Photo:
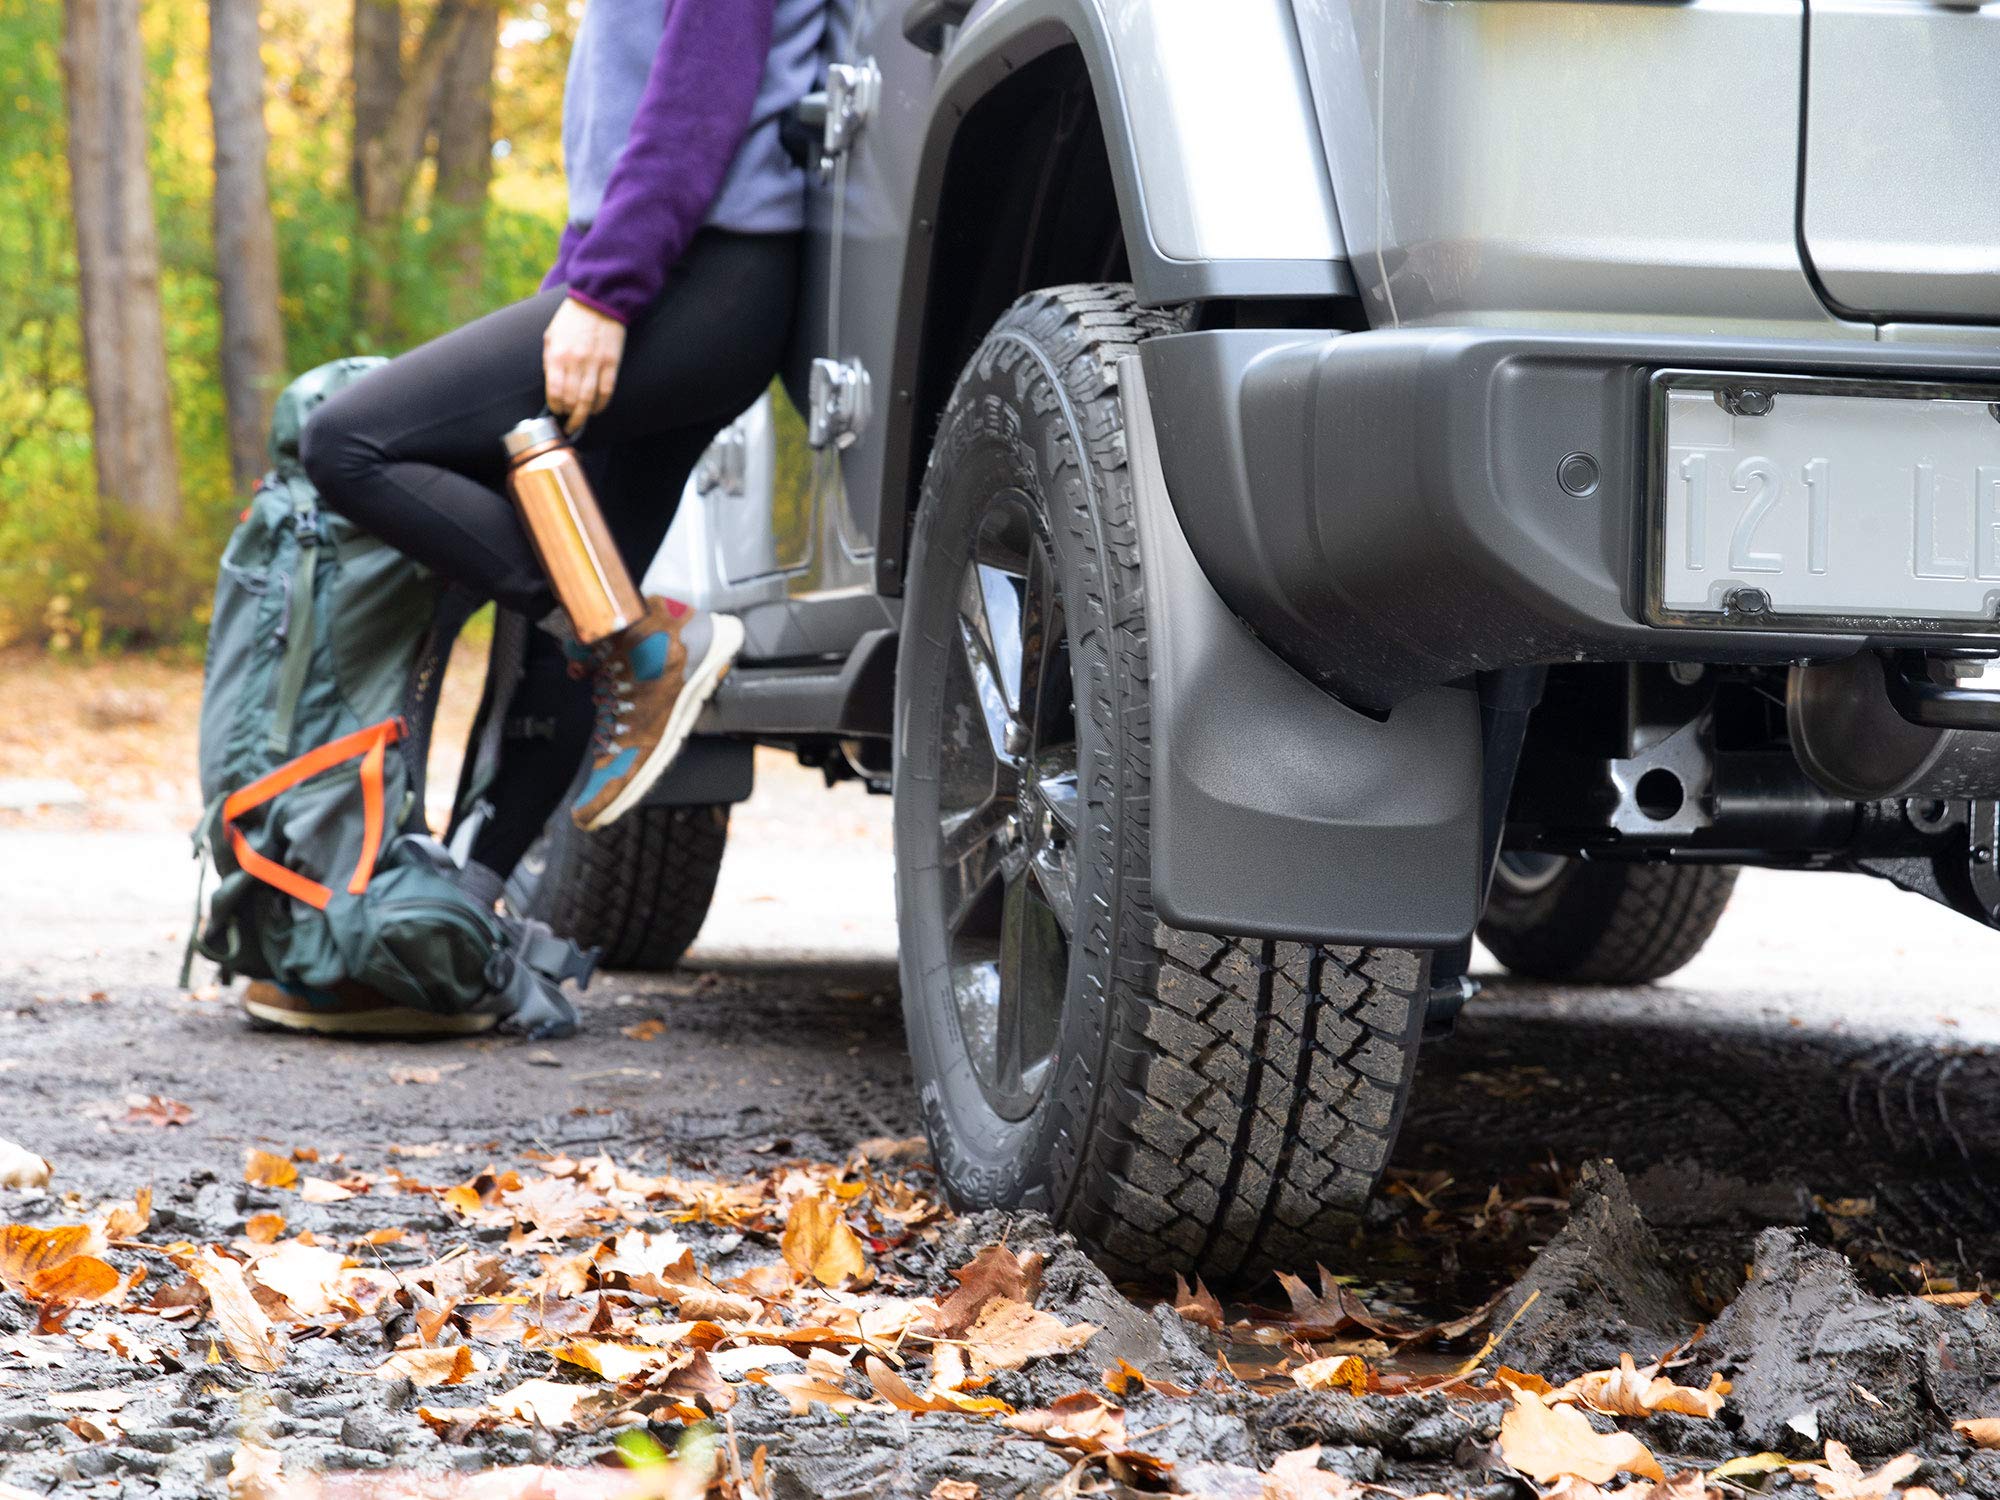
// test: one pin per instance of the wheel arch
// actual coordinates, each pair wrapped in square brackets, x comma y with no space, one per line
[1044,162]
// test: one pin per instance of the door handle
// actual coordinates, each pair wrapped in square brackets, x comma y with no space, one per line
[926,22]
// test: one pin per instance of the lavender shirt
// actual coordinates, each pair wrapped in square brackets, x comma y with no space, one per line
[670,122]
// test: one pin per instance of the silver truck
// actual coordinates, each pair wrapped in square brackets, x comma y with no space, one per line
[1293,482]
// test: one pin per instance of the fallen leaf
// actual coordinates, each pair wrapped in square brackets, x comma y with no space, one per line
[91,1400]
[954,1489]
[803,1392]
[620,1363]
[264,1229]
[893,1389]
[38,1353]
[424,1368]
[82,1278]
[1333,1310]
[994,1272]
[319,1190]
[127,1221]
[1199,1306]
[1841,1478]
[256,1474]
[1298,1476]
[1981,1432]
[253,1341]
[307,1277]
[1008,1334]
[108,1338]
[1631,1392]
[156,1109]
[265,1169]
[647,1030]
[1749,1463]
[26,1252]
[1550,1442]
[1084,1421]
[549,1404]
[1507,1376]
[1127,1379]
[1344,1372]
[21,1168]
[818,1245]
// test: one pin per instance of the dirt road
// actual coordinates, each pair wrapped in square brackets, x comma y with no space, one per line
[1825,1064]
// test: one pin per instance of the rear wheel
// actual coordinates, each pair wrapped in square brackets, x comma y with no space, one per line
[1178,1100]
[1601,921]
[638,890]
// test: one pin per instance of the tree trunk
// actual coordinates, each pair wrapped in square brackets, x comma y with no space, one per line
[118,260]
[246,240]
[463,124]
[389,139]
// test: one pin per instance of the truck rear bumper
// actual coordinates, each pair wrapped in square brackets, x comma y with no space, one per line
[1384,508]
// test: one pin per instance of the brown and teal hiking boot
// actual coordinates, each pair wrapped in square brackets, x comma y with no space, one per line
[350,1009]
[651,681]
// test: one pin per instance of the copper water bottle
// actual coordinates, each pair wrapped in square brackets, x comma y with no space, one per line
[568,530]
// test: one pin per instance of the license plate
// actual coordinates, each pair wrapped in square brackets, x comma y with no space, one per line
[1799,502]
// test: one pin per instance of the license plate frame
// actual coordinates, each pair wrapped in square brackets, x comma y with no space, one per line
[1889,623]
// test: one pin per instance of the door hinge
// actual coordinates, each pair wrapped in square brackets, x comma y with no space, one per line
[840,402]
[853,93]
[725,464]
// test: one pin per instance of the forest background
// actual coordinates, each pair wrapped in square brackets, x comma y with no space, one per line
[199,198]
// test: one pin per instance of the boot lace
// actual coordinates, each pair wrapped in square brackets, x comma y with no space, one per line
[611,705]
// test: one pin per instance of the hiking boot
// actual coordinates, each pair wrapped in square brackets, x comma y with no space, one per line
[651,681]
[350,1009]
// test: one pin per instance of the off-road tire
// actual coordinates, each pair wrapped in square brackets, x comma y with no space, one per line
[1605,921]
[638,890]
[1216,1105]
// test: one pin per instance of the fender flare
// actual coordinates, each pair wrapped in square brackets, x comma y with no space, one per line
[1218,199]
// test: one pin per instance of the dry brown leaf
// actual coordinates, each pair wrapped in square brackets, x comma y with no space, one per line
[1631,1392]
[994,1272]
[1127,1379]
[954,1489]
[818,1245]
[549,1404]
[126,1221]
[26,1252]
[156,1109]
[91,1400]
[1548,1443]
[1199,1306]
[82,1278]
[1521,1380]
[21,1168]
[1981,1432]
[424,1368]
[648,1030]
[1841,1478]
[264,1229]
[307,1277]
[256,1474]
[1008,1334]
[895,1390]
[109,1338]
[37,1353]
[1340,1372]
[1333,1310]
[253,1341]
[620,1363]
[265,1169]
[1082,1420]
[1298,1476]
[806,1391]
[319,1190]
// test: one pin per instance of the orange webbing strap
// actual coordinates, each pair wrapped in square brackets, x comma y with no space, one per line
[371,745]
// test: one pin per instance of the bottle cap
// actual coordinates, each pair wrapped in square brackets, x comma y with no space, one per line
[536,432]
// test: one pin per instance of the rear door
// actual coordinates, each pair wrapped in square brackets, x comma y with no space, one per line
[1902,173]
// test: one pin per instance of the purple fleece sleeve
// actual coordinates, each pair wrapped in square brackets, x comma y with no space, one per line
[690,124]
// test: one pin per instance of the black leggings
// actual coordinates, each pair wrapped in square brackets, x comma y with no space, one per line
[412,454]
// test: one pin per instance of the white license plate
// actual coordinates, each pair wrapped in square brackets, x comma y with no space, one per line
[1799,502]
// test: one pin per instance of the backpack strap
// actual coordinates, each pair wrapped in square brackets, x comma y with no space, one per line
[298,621]
[371,747]
[482,767]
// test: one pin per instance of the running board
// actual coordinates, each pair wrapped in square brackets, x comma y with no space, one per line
[851,699]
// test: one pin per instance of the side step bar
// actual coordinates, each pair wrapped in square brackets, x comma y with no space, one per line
[850,699]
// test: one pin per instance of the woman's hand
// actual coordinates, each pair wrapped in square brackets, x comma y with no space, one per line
[580,354]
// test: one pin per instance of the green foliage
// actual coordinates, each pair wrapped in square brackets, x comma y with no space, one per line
[70,576]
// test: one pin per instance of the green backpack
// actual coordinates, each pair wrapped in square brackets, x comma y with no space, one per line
[325,655]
